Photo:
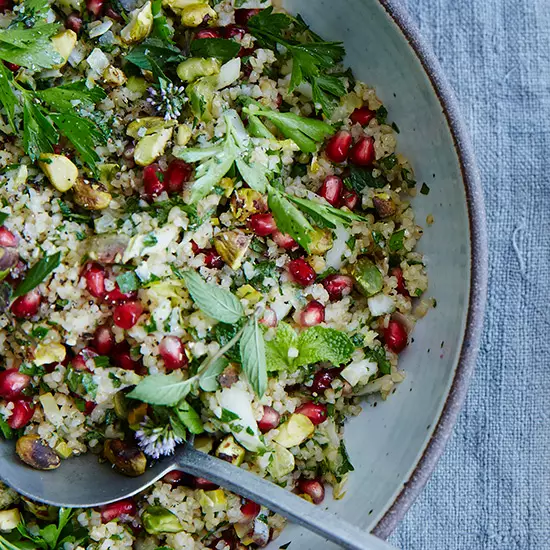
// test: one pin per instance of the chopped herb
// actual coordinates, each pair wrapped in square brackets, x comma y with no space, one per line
[71,216]
[101,361]
[39,332]
[395,127]
[116,382]
[378,355]
[150,240]
[360,178]
[5,429]
[424,190]
[351,243]
[395,244]
[37,274]
[151,326]
[382,115]
[228,416]
[129,281]
[389,162]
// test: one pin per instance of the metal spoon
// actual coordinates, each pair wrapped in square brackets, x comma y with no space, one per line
[83,482]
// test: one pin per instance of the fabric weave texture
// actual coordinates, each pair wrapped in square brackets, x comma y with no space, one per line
[491,489]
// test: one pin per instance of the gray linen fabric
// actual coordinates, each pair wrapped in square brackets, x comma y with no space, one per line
[491,489]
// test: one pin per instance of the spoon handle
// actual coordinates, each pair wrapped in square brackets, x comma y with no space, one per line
[279,500]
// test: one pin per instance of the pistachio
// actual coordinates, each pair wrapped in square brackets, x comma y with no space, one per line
[125,457]
[178,5]
[150,148]
[61,172]
[321,241]
[230,451]
[295,431]
[140,25]
[195,67]
[137,414]
[212,501]
[157,520]
[121,404]
[137,85]
[63,43]
[232,246]
[36,453]
[148,125]
[249,293]
[245,202]
[54,352]
[384,205]
[368,277]
[107,248]
[8,259]
[114,75]
[63,450]
[183,135]
[41,511]
[203,443]
[9,519]
[198,14]
[107,173]
[91,195]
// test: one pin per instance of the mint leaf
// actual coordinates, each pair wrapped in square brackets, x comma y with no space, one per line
[253,357]
[215,47]
[189,417]
[38,273]
[162,389]
[8,99]
[277,349]
[209,378]
[318,344]
[153,48]
[217,302]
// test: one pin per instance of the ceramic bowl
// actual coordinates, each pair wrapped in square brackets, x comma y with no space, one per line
[395,445]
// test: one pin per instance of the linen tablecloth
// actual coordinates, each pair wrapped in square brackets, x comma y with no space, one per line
[491,489]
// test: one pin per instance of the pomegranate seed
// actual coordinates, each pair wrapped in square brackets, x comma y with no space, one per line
[95,6]
[338,286]
[397,272]
[5,5]
[323,379]
[172,351]
[114,15]
[126,315]
[284,240]
[362,116]
[395,336]
[122,358]
[270,419]
[27,305]
[152,186]
[313,314]
[313,488]
[89,407]
[177,173]
[7,238]
[177,478]
[12,383]
[95,280]
[79,362]
[269,318]
[262,224]
[332,189]
[17,273]
[115,296]
[20,415]
[242,16]
[249,510]
[316,412]
[338,146]
[126,507]
[246,52]
[350,199]
[362,153]
[212,259]
[74,22]
[11,66]
[233,31]
[203,483]
[103,340]
[208,33]
[301,272]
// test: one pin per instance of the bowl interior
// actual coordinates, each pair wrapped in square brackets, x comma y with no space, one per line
[387,440]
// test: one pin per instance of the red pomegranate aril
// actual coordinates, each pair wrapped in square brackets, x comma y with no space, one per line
[362,116]
[7,238]
[316,412]
[12,383]
[126,315]
[11,66]
[337,286]
[79,362]
[126,507]
[177,478]
[114,15]
[262,224]
[246,52]
[5,5]
[172,351]
[74,22]
[115,296]
[233,31]
[397,272]
[350,199]
[95,280]
[270,419]
[122,357]
[313,314]
[269,318]
[212,259]
[284,240]
[323,380]
[152,186]
[89,407]
[302,273]
[395,336]
[338,146]
[103,340]
[21,414]
[208,33]
[177,174]
[249,510]
[205,484]
[362,153]
[27,305]
[95,6]
[332,190]
[242,16]
[313,488]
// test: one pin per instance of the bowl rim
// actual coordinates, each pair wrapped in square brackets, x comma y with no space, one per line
[413,486]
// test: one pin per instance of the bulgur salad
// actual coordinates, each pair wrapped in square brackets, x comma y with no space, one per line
[205,229]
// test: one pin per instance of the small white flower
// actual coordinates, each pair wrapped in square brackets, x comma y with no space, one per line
[157,441]
[168,100]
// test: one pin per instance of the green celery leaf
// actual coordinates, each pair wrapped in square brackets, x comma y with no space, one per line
[37,274]
[215,47]
[7,97]
[162,389]
[253,357]
[39,134]
[318,344]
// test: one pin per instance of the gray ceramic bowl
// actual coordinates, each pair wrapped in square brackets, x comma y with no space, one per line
[395,446]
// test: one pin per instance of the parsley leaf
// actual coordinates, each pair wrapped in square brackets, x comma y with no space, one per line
[72,96]
[37,273]
[7,96]
[360,178]
[39,134]
[215,47]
